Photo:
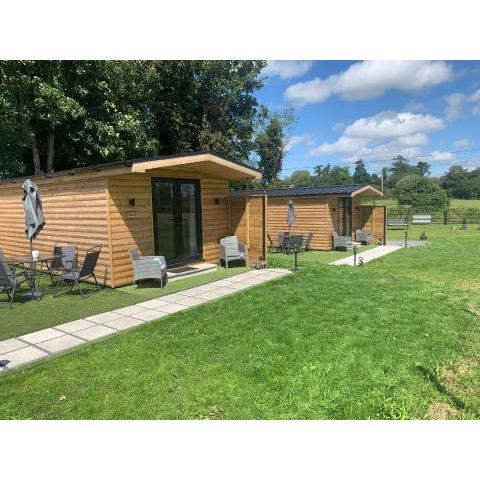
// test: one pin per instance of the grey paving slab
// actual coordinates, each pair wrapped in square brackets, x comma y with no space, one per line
[205,288]
[21,356]
[150,314]
[152,303]
[103,317]
[221,283]
[61,343]
[190,301]
[209,295]
[172,298]
[98,331]
[130,310]
[41,335]
[172,307]
[125,322]
[11,344]
[75,326]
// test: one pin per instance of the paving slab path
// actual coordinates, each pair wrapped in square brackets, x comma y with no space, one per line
[368,255]
[43,343]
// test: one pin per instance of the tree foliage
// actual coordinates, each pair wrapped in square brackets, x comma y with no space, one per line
[62,114]
[461,183]
[419,191]
[271,142]
[360,174]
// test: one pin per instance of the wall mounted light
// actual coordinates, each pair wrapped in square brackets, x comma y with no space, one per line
[217,201]
[132,202]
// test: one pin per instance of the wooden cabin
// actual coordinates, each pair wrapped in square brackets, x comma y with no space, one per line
[322,210]
[177,206]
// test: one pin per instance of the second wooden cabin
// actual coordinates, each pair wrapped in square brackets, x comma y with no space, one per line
[321,210]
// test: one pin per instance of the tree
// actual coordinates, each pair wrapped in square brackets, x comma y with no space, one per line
[423,168]
[271,143]
[360,175]
[299,178]
[461,183]
[420,191]
[336,175]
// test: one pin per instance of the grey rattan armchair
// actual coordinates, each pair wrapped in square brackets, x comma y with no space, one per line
[148,267]
[342,242]
[363,236]
[230,251]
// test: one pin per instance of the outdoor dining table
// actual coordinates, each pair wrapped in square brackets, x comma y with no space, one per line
[32,272]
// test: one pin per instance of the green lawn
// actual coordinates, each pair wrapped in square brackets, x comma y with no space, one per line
[28,316]
[397,338]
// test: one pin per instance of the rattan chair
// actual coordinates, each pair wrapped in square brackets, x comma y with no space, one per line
[148,268]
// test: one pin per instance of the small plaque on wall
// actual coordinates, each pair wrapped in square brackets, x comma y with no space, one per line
[131,214]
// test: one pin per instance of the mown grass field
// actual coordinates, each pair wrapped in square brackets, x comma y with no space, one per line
[395,339]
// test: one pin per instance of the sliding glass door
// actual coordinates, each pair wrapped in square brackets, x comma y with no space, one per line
[177,219]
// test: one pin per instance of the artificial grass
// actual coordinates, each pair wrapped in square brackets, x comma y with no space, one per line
[329,342]
[29,316]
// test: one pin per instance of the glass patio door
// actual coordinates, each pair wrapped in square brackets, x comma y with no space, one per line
[346,216]
[176,219]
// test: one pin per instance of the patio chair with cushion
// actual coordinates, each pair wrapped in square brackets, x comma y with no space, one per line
[148,268]
[342,242]
[273,245]
[9,281]
[230,251]
[295,242]
[64,256]
[363,236]
[75,276]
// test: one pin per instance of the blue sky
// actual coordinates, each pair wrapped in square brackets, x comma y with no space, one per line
[376,110]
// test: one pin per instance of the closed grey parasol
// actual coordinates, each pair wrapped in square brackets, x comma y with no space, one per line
[32,208]
[292,217]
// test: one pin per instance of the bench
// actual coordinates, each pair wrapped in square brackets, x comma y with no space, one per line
[421,219]
[397,223]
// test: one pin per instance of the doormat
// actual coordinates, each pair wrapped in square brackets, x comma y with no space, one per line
[183,269]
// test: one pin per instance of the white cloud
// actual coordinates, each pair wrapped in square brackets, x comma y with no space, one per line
[476,110]
[454,108]
[462,143]
[475,97]
[441,156]
[297,140]
[382,135]
[371,79]
[286,69]
[414,106]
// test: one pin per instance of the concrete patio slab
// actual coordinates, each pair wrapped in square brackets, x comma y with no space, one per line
[41,335]
[98,331]
[149,315]
[11,344]
[130,310]
[368,255]
[152,304]
[75,326]
[61,343]
[172,298]
[103,317]
[172,308]
[190,301]
[20,357]
[124,322]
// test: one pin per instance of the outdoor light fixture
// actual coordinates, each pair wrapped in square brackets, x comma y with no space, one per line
[132,202]
[217,201]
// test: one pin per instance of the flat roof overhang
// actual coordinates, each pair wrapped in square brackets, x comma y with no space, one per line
[208,163]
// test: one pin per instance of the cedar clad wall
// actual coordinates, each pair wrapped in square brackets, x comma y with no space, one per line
[132,227]
[247,218]
[373,219]
[314,214]
[75,213]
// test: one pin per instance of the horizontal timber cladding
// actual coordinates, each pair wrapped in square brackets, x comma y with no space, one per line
[247,220]
[75,213]
[373,219]
[319,215]
[132,226]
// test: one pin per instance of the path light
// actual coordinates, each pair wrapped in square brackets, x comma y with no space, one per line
[355,250]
